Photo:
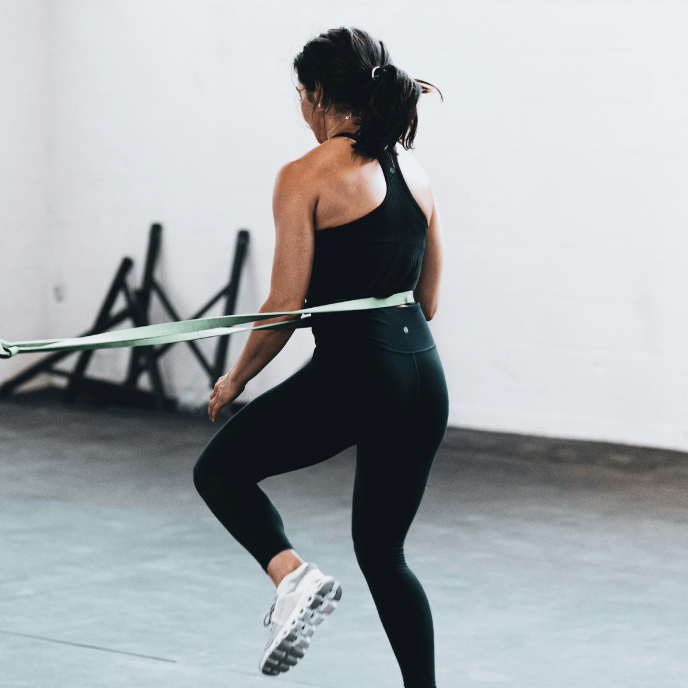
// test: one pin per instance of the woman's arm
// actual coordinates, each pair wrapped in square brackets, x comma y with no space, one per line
[427,291]
[294,201]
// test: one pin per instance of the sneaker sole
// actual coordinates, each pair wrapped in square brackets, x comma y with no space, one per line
[295,637]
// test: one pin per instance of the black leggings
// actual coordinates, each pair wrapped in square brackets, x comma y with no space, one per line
[375,381]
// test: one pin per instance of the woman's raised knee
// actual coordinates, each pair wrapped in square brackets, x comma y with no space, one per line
[200,476]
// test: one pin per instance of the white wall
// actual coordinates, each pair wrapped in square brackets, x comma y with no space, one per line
[567,218]
[558,162]
[24,242]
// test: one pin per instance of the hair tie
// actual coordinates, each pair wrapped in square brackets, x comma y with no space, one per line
[374,68]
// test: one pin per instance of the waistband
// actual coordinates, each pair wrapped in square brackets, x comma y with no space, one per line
[398,329]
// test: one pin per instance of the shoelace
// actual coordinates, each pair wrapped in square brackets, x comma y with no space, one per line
[268,618]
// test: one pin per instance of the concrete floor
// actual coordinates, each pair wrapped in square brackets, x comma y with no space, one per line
[547,563]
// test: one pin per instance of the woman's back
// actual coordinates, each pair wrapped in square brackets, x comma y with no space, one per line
[374,248]
[349,188]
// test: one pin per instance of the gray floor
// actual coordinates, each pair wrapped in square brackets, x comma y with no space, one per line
[556,564]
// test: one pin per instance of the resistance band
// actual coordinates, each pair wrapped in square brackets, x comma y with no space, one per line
[201,328]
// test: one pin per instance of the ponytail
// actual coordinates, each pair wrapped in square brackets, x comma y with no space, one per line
[384,105]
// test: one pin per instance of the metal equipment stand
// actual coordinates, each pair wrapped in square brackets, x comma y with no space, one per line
[145,358]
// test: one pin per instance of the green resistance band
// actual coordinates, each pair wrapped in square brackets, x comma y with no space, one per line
[201,328]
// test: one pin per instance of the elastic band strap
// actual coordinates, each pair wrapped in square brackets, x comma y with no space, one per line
[186,330]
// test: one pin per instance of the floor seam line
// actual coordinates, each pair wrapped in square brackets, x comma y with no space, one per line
[84,645]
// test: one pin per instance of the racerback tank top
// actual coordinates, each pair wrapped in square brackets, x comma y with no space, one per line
[377,255]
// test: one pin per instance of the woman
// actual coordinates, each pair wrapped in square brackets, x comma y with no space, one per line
[354,218]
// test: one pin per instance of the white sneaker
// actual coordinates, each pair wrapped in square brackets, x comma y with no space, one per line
[300,605]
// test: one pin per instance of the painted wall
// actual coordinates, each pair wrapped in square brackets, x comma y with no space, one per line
[24,238]
[558,161]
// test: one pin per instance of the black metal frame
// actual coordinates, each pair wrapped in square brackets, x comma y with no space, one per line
[144,358]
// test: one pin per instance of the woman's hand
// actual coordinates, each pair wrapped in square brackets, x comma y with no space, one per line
[225,392]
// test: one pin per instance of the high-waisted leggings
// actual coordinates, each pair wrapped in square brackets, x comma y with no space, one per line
[375,381]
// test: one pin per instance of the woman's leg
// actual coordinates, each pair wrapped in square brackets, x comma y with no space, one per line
[393,463]
[282,564]
[300,422]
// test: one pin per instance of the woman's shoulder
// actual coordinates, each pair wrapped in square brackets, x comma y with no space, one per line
[332,154]
[333,157]
[328,160]
[314,162]
[304,169]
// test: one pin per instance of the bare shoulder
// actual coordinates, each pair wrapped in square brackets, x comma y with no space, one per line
[333,158]
[301,172]
[312,166]
[324,153]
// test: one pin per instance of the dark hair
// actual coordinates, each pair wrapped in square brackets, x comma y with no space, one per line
[384,107]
